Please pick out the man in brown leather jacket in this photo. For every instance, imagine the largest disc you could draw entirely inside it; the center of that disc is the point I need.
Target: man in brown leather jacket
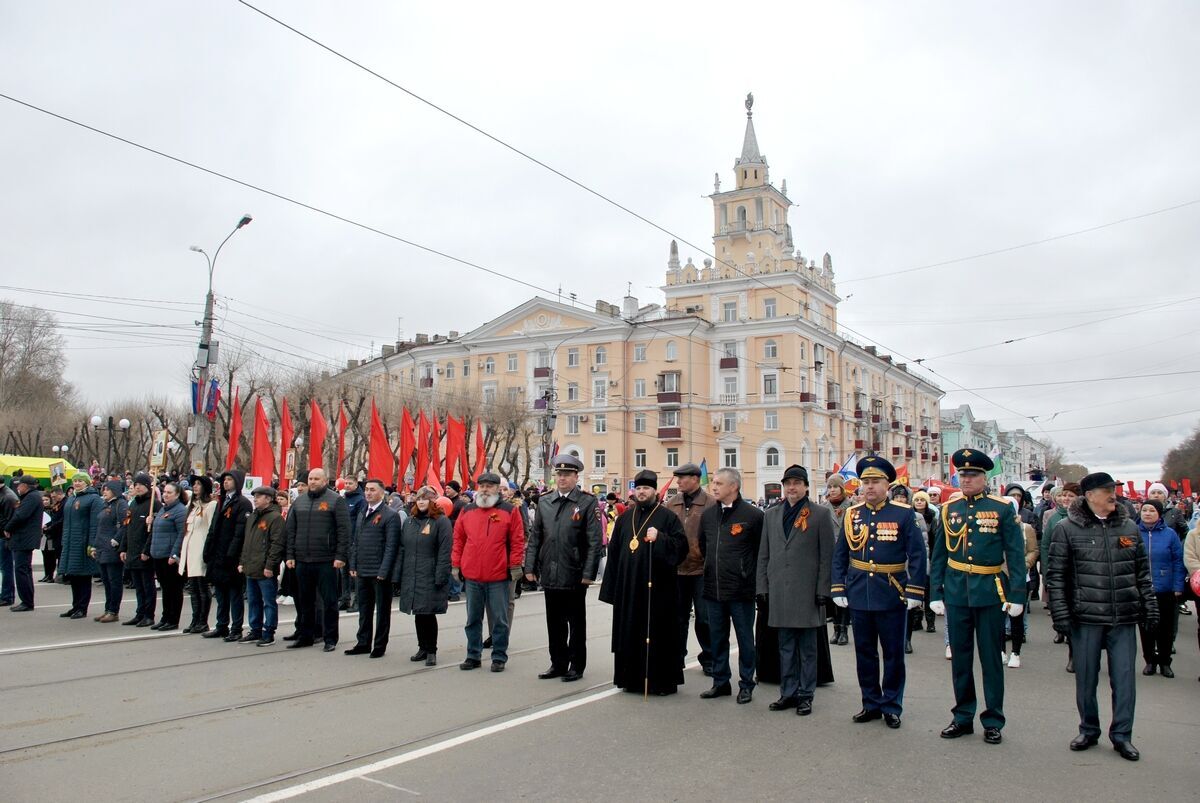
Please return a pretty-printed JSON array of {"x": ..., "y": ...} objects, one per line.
[{"x": 689, "y": 504}]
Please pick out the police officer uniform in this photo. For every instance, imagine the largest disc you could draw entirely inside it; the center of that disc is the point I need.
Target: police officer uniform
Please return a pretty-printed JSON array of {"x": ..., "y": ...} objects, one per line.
[
  {"x": 879, "y": 568},
  {"x": 978, "y": 565},
  {"x": 562, "y": 551}
]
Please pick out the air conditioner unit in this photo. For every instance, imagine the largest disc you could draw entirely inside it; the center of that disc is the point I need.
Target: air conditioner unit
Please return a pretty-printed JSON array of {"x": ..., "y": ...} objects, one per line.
[
  {"x": 716, "y": 427},
  {"x": 481, "y": 365},
  {"x": 583, "y": 418},
  {"x": 519, "y": 390},
  {"x": 612, "y": 383},
  {"x": 440, "y": 371}
]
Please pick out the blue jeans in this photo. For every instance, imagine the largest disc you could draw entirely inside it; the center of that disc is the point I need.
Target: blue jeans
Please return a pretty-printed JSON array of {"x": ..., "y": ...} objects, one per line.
[
  {"x": 264, "y": 611},
  {"x": 719, "y": 616},
  {"x": 114, "y": 588},
  {"x": 7, "y": 591},
  {"x": 495, "y": 597}
]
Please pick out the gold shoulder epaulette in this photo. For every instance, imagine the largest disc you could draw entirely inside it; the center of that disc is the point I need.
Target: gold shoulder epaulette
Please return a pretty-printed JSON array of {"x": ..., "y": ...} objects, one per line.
[
  {"x": 998, "y": 498},
  {"x": 900, "y": 504},
  {"x": 860, "y": 504}
]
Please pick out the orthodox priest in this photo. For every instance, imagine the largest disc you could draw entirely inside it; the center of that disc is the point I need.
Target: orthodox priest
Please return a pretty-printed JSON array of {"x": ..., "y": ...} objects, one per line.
[{"x": 645, "y": 550}]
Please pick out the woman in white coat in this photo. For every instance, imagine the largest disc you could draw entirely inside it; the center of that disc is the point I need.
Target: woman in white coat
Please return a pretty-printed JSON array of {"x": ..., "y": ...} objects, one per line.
[{"x": 191, "y": 555}]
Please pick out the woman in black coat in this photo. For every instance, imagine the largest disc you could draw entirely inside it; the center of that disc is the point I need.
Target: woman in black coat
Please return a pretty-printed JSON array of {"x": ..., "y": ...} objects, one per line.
[{"x": 422, "y": 572}]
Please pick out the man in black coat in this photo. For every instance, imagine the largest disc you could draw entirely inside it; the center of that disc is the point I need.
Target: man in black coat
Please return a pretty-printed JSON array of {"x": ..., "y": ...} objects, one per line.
[
  {"x": 373, "y": 549},
  {"x": 22, "y": 534},
  {"x": 318, "y": 546},
  {"x": 730, "y": 533},
  {"x": 1100, "y": 590},
  {"x": 135, "y": 552},
  {"x": 222, "y": 551}
]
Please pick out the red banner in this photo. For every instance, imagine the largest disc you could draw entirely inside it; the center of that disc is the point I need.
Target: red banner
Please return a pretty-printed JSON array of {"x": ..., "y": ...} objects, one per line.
[
  {"x": 380, "y": 463},
  {"x": 318, "y": 430},
  {"x": 422, "y": 450},
  {"x": 480, "y": 455},
  {"x": 262, "y": 460},
  {"x": 235, "y": 430},
  {"x": 286, "y": 433},
  {"x": 341, "y": 447},
  {"x": 405, "y": 452}
]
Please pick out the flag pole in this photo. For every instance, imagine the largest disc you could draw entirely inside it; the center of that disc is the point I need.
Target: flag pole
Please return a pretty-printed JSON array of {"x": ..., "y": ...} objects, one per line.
[{"x": 649, "y": 591}]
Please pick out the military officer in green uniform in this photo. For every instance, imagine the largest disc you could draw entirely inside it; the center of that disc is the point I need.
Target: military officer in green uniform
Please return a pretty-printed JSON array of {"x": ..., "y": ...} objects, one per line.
[{"x": 978, "y": 566}]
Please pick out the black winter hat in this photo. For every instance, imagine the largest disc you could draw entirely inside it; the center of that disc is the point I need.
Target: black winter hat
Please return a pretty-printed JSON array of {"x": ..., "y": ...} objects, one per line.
[{"x": 1154, "y": 503}]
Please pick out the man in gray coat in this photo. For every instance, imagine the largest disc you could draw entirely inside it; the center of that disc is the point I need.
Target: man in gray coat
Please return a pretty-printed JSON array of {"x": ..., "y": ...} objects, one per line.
[{"x": 794, "y": 568}]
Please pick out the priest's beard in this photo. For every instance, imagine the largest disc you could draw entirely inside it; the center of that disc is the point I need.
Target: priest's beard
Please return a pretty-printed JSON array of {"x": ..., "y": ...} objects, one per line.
[
  {"x": 486, "y": 500},
  {"x": 648, "y": 505}
]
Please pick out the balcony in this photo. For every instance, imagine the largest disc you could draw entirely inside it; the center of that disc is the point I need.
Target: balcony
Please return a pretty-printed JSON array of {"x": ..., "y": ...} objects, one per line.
[
  {"x": 908, "y": 453},
  {"x": 729, "y": 399},
  {"x": 908, "y": 427},
  {"x": 924, "y": 455},
  {"x": 860, "y": 414},
  {"x": 729, "y": 362},
  {"x": 896, "y": 426},
  {"x": 924, "y": 432},
  {"x": 427, "y": 381},
  {"x": 934, "y": 435},
  {"x": 875, "y": 418},
  {"x": 807, "y": 398},
  {"x": 670, "y": 434},
  {"x": 860, "y": 444},
  {"x": 674, "y": 398},
  {"x": 541, "y": 373},
  {"x": 895, "y": 451},
  {"x": 539, "y": 404},
  {"x": 875, "y": 447},
  {"x": 831, "y": 405}
]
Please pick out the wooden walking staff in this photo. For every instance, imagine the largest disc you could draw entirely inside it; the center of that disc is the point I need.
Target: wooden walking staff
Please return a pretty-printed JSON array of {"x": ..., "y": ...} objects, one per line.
[{"x": 651, "y": 537}]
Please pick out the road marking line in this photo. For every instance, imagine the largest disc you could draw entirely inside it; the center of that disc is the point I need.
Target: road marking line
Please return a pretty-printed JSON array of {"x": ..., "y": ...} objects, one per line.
[
  {"x": 437, "y": 747},
  {"x": 390, "y": 785}
]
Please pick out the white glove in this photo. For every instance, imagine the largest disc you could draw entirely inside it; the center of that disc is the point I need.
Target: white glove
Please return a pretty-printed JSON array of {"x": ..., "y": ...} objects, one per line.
[
  {"x": 1014, "y": 608},
  {"x": 913, "y": 604},
  {"x": 938, "y": 607},
  {"x": 841, "y": 602}
]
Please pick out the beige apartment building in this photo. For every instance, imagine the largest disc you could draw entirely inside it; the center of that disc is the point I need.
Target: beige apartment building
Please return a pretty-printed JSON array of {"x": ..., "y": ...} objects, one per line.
[{"x": 742, "y": 365}]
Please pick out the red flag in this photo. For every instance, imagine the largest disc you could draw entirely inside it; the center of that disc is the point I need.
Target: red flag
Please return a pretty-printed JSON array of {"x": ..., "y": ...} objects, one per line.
[
  {"x": 235, "y": 430},
  {"x": 662, "y": 494},
  {"x": 456, "y": 440},
  {"x": 341, "y": 447},
  {"x": 318, "y": 429},
  {"x": 405, "y": 452},
  {"x": 285, "y": 435},
  {"x": 1187, "y": 487},
  {"x": 462, "y": 461},
  {"x": 1148, "y": 484},
  {"x": 1120, "y": 490},
  {"x": 480, "y": 456},
  {"x": 433, "y": 481},
  {"x": 380, "y": 463},
  {"x": 422, "y": 449},
  {"x": 262, "y": 461},
  {"x": 435, "y": 445}
]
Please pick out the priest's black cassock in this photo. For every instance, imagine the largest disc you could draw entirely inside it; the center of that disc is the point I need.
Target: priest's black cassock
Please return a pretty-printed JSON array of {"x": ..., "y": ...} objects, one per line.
[{"x": 624, "y": 587}]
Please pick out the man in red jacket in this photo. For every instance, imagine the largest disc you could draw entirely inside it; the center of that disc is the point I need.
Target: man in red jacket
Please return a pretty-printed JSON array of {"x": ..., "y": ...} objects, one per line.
[{"x": 489, "y": 550}]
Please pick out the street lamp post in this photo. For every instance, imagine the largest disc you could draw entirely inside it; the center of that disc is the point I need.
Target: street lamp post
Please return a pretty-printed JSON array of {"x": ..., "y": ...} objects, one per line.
[
  {"x": 96, "y": 422},
  {"x": 198, "y": 442}
]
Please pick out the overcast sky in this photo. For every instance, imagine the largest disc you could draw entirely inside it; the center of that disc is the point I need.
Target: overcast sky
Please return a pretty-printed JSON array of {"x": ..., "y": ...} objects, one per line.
[{"x": 909, "y": 134}]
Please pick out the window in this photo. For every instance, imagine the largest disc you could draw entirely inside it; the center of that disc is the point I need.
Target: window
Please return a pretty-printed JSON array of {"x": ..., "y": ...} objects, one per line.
[
  {"x": 729, "y": 348},
  {"x": 599, "y": 391},
  {"x": 771, "y": 420},
  {"x": 514, "y": 394},
  {"x": 668, "y": 383},
  {"x": 449, "y": 370},
  {"x": 489, "y": 395},
  {"x": 731, "y": 386},
  {"x": 639, "y": 458},
  {"x": 601, "y": 355},
  {"x": 769, "y": 308},
  {"x": 803, "y": 352},
  {"x": 572, "y": 391},
  {"x": 729, "y": 422},
  {"x": 572, "y": 425},
  {"x": 729, "y": 311},
  {"x": 770, "y": 350},
  {"x": 543, "y": 359},
  {"x": 639, "y": 422},
  {"x": 489, "y": 366},
  {"x": 572, "y": 358},
  {"x": 804, "y": 455},
  {"x": 599, "y": 460},
  {"x": 672, "y": 458},
  {"x": 772, "y": 458},
  {"x": 639, "y": 388},
  {"x": 639, "y": 352},
  {"x": 770, "y": 385},
  {"x": 600, "y": 423},
  {"x": 729, "y": 458},
  {"x": 671, "y": 351},
  {"x": 668, "y": 418},
  {"x": 512, "y": 362},
  {"x": 466, "y": 368}
]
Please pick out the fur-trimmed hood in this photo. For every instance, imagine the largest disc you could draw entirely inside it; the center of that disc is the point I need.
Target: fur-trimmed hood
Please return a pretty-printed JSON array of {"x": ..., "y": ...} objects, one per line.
[{"x": 1081, "y": 514}]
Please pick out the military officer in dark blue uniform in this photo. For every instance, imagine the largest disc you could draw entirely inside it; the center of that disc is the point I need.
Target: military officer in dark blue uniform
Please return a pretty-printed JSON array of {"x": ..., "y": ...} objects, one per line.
[
  {"x": 879, "y": 573},
  {"x": 978, "y": 565}
]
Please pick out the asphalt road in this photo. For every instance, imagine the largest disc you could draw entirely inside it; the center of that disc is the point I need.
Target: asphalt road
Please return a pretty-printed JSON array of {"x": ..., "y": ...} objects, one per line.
[{"x": 97, "y": 712}]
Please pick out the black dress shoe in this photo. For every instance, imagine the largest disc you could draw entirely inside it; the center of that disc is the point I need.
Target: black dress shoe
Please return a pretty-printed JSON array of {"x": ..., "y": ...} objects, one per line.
[
  {"x": 329, "y": 647},
  {"x": 1165, "y": 670},
  {"x": 1082, "y": 742},
  {"x": 1059, "y": 638},
  {"x": 1071, "y": 665},
  {"x": 782, "y": 704},
  {"x": 21, "y": 608},
  {"x": 298, "y": 644},
  {"x": 66, "y": 614},
  {"x": 843, "y": 638},
  {"x": 707, "y": 670},
  {"x": 804, "y": 708},
  {"x": 216, "y": 632},
  {"x": 956, "y": 729},
  {"x": 724, "y": 690},
  {"x": 431, "y": 659},
  {"x": 146, "y": 623},
  {"x": 929, "y": 628},
  {"x": 249, "y": 637},
  {"x": 744, "y": 696},
  {"x": 292, "y": 637},
  {"x": 265, "y": 641},
  {"x": 1148, "y": 669},
  {"x": 169, "y": 626},
  {"x": 891, "y": 720},
  {"x": 992, "y": 735},
  {"x": 837, "y": 632},
  {"x": 377, "y": 653},
  {"x": 866, "y": 715},
  {"x": 235, "y": 635},
  {"x": 77, "y": 615},
  {"x": 469, "y": 664},
  {"x": 571, "y": 676},
  {"x": 550, "y": 674},
  {"x": 358, "y": 649},
  {"x": 1127, "y": 751},
  {"x": 487, "y": 643},
  {"x": 137, "y": 620},
  {"x": 908, "y": 646},
  {"x": 419, "y": 655},
  {"x": 498, "y": 666}
]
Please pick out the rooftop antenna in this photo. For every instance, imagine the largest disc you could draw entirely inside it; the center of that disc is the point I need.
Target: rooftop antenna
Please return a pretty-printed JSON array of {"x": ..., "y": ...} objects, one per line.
[
  {"x": 560, "y": 294},
  {"x": 400, "y": 329}
]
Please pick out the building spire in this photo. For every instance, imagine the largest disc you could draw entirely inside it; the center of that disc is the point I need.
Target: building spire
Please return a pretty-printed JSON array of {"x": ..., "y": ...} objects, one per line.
[{"x": 750, "y": 154}]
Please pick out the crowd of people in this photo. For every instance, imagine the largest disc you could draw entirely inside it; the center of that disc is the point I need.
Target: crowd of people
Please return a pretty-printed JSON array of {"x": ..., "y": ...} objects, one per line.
[{"x": 873, "y": 558}]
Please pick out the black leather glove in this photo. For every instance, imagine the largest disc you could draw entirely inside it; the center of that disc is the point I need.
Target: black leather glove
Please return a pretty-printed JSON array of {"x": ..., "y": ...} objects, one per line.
[
  {"x": 1062, "y": 627},
  {"x": 822, "y": 600},
  {"x": 761, "y": 598},
  {"x": 1151, "y": 623}
]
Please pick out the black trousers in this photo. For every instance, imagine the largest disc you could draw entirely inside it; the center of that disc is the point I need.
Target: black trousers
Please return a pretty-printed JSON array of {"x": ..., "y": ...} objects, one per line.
[
  {"x": 1157, "y": 643},
  {"x": 172, "y": 589},
  {"x": 427, "y": 631},
  {"x": 311, "y": 579},
  {"x": 374, "y": 606},
  {"x": 49, "y": 562},
  {"x": 231, "y": 603},
  {"x": 81, "y": 592},
  {"x": 143, "y": 588},
  {"x": 566, "y": 628}
]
